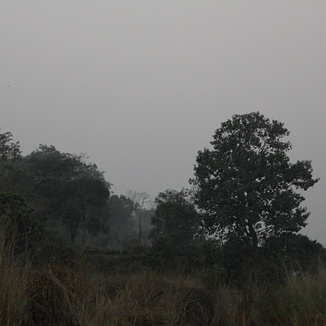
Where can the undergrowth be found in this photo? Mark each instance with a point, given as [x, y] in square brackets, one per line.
[78, 295]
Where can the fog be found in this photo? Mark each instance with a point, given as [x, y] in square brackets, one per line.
[141, 86]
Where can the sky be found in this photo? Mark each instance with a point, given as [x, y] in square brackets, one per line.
[141, 86]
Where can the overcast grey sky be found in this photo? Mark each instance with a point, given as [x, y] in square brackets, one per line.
[141, 86]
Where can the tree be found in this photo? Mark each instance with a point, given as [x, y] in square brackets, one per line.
[175, 219]
[69, 189]
[246, 185]
[138, 201]
[10, 155]
[120, 219]
[9, 150]
[86, 205]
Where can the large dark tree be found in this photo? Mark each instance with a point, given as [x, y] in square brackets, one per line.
[246, 185]
[68, 189]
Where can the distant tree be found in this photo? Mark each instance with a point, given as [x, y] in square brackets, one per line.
[246, 185]
[9, 150]
[10, 172]
[69, 189]
[86, 205]
[120, 219]
[147, 226]
[138, 201]
[175, 220]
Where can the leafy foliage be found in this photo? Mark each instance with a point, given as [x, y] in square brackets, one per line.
[295, 250]
[246, 185]
[246, 192]
[18, 219]
[175, 220]
[71, 189]
[9, 150]
[10, 156]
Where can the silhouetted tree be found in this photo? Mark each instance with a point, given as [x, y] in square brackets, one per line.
[138, 201]
[10, 155]
[9, 150]
[175, 219]
[69, 189]
[246, 185]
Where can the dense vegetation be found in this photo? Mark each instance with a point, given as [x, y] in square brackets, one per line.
[225, 252]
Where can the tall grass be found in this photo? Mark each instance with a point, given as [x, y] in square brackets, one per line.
[304, 298]
[79, 296]
[299, 301]
[15, 277]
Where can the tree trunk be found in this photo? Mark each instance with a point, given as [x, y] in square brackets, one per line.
[139, 225]
[253, 236]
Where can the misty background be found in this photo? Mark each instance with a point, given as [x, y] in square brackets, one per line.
[141, 86]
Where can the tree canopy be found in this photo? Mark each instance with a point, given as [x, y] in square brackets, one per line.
[175, 218]
[10, 155]
[70, 189]
[9, 150]
[246, 185]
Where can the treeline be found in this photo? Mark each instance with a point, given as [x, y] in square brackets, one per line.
[227, 251]
[239, 220]
[49, 194]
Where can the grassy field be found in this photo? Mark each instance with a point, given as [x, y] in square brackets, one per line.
[81, 295]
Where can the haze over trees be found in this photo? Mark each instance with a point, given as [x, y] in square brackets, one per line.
[236, 231]
[121, 222]
[74, 191]
[138, 200]
[245, 204]
[69, 196]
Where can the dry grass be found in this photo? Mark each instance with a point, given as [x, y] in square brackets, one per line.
[149, 299]
[78, 296]
[15, 276]
[142, 299]
[304, 299]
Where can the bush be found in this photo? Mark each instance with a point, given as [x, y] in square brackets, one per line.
[54, 248]
[19, 221]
